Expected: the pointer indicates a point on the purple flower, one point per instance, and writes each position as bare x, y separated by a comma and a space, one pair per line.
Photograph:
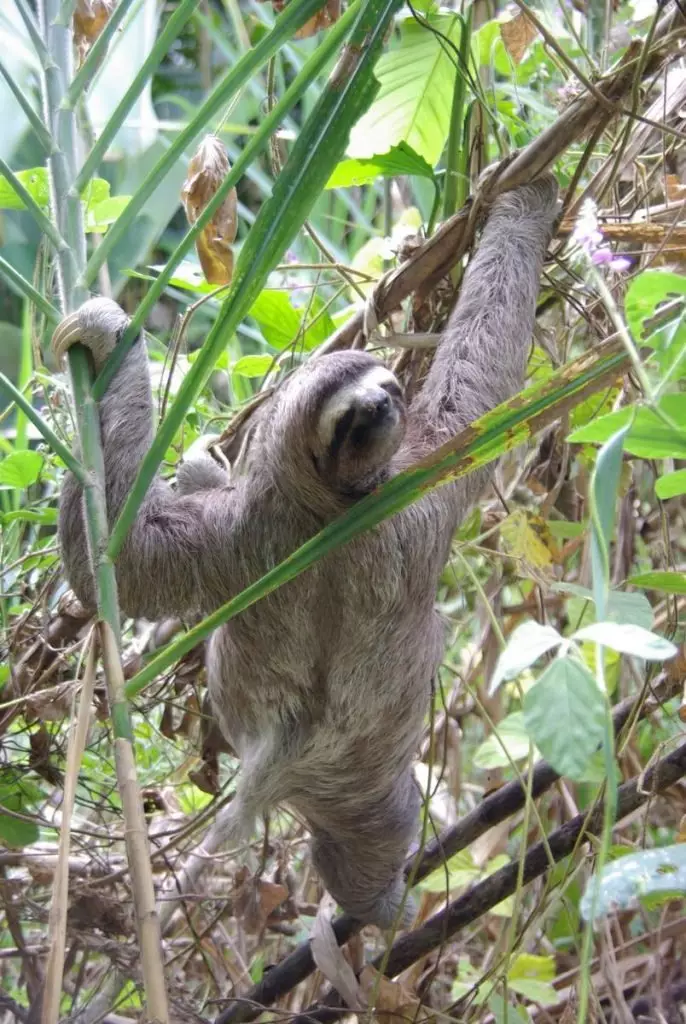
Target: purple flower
588, 235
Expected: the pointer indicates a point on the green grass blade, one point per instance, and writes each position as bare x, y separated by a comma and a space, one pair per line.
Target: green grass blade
317, 150
498, 431
27, 289
88, 70
295, 15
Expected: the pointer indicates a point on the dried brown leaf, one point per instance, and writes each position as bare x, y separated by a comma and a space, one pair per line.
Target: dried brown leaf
324, 18
206, 172
90, 18
393, 1002
329, 958
255, 900
517, 34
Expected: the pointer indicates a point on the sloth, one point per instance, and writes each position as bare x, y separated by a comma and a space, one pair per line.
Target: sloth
321, 687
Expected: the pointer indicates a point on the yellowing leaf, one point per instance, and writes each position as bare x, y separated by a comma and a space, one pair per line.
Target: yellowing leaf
527, 538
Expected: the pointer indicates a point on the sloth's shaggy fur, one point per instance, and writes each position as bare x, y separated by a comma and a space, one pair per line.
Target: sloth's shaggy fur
323, 686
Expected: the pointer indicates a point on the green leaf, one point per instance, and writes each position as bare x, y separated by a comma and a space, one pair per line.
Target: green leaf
416, 86
277, 318
399, 160
460, 871
510, 744
668, 582
17, 833
634, 609
35, 181
100, 215
536, 991
564, 714
21, 469
648, 437
646, 292
529, 642
41, 517
526, 965
628, 639
253, 366
625, 881
671, 484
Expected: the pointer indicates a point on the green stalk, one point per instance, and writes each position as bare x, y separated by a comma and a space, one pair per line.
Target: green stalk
24, 375
46, 431
321, 56
32, 29
293, 17
159, 51
498, 431
34, 119
68, 213
454, 148
28, 291
319, 147
86, 73
37, 212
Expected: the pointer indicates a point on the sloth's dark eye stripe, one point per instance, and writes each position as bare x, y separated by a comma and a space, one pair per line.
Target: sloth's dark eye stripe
341, 431
392, 388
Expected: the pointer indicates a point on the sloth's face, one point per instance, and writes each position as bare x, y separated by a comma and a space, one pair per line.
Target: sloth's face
360, 423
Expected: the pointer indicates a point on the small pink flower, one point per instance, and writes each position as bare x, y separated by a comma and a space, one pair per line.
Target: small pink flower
620, 264
601, 256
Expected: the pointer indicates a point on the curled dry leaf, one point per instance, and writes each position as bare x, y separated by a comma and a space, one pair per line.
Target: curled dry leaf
517, 34
330, 960
206, 172
255, 900
391, 1000
90, 18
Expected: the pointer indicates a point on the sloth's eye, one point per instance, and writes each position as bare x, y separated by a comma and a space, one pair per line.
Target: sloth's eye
393, 389
341, 431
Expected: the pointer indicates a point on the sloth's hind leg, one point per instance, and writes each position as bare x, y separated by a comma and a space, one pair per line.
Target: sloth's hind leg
360, 855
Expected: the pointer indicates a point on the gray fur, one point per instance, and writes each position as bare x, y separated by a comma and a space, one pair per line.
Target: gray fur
323, 686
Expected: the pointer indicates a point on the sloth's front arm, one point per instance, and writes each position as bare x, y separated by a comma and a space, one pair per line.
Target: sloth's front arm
178, 555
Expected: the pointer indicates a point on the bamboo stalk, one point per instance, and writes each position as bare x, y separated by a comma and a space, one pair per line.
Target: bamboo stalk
68, 214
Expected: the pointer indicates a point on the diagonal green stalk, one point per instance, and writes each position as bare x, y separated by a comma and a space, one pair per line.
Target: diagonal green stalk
27, 289
319, 146
34, 119
88, 70
36, 211
454, 146
498, 431
163, 43
321, 56
68, 213
293, 17
46, 431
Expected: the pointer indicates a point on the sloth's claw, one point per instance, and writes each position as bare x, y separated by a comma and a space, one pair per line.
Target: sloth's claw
97, 325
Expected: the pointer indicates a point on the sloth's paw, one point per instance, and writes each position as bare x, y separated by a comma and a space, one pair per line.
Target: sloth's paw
97, 324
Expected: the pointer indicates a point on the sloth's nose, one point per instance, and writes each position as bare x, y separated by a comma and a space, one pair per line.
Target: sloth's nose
373, 407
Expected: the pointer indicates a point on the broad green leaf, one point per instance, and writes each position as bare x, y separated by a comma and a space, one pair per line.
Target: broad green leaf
17, 833
277, 318
21, 469
100, 215
457, 872
671, 484
399, 160
645, 294
648, 437
564, 714
416, 86
627, 639
504, 1012
253, 366
634, 609
668, 582
528, 643
510, 744
531, 977
625, 881
526, 965
35, 181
